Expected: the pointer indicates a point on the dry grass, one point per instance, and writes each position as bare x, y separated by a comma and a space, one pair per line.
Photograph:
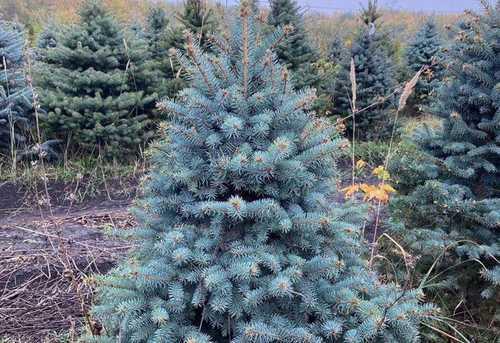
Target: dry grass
401, 25
320, 26
46, 272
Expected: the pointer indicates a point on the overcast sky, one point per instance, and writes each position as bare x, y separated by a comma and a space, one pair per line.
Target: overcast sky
413, 5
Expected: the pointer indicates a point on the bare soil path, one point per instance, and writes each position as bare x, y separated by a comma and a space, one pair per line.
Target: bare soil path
47, 259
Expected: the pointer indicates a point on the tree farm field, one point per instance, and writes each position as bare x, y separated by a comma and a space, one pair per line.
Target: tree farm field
246, 171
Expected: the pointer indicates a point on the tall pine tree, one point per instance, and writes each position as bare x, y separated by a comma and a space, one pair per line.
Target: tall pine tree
458, 208
16, 107
374, 81
295, 51
426, 51
96, 85
239, 239
200, 20
161, 40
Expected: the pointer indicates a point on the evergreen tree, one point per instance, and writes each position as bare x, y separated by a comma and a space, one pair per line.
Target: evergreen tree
374, 80
199, 20
239, 239
459, 205
336, 50
295, 51
15, 97
425, 51
48, 37
176, 38
137, 29
254, 6
161, 40
96, 85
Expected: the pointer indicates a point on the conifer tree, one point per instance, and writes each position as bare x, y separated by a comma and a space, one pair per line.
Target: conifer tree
295, 51
425, 51
374, 81
336, 50
200, 20
161, 41
239, 239
15, 97
48, 37
459, 205
254, 6
97, 86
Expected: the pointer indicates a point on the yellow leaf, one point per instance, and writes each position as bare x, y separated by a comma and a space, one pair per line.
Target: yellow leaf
351, 190
381, 173
377, 194
360, 164
387, 188
367, 188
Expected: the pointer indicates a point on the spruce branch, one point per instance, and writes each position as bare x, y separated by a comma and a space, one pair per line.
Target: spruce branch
193, 54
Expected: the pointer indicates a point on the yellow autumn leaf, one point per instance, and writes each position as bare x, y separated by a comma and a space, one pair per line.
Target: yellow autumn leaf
381, 173
380, 192
351, 190
377, 194
360, 164
387, 188
367, 188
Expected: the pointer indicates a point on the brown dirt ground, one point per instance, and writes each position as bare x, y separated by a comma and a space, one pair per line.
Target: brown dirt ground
48, 254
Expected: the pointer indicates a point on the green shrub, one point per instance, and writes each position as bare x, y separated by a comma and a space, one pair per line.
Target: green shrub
199, 20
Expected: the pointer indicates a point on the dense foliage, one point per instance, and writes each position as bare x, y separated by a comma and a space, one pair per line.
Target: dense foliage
336, 49
200, 20
239, 240
97, 85
16, 109
426, 51
162, 39
456, 210
374, 82
48, 37
295, 52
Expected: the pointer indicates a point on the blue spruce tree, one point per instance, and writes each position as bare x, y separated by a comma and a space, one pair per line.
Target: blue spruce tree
97, 85
239, 239
426, 51
16, 107
374, 79
458, 207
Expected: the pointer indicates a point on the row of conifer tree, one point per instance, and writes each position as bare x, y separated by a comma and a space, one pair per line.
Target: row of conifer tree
97, 81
